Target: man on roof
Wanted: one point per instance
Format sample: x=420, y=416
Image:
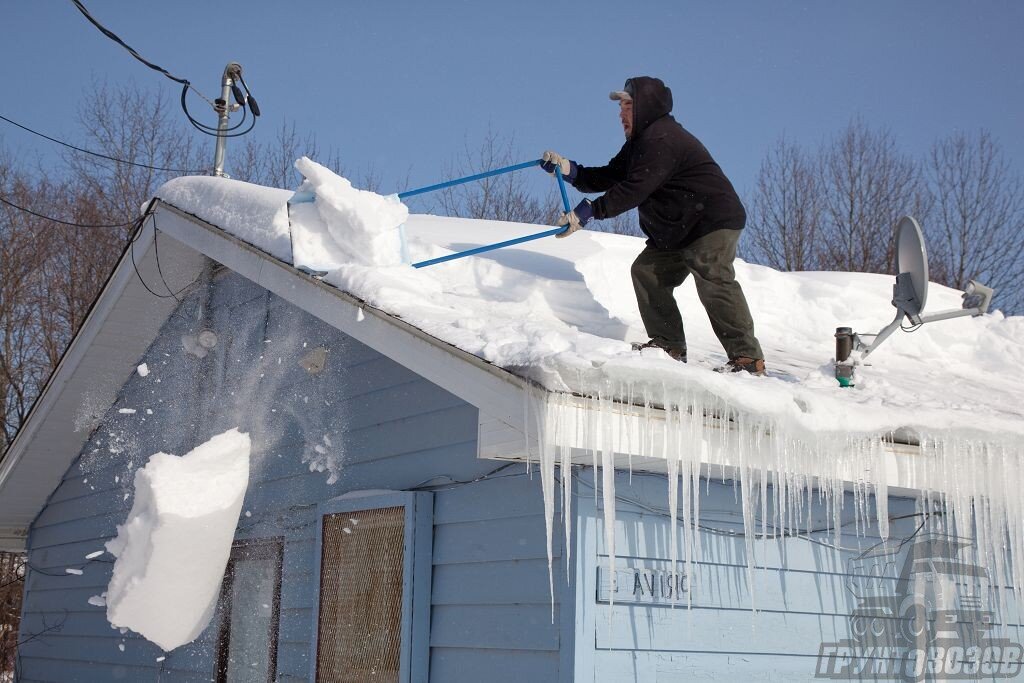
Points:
x=690, y=213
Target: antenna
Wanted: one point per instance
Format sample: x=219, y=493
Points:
x=909, y=296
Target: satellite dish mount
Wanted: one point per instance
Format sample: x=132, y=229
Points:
x=909, y=296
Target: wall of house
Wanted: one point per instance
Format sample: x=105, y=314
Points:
x=364, y=422
x=801, y=589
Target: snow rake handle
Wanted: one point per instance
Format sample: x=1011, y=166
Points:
x=497, y=245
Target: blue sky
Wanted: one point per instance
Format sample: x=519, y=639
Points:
x=403, y=86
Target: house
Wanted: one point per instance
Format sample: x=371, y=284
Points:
x=406, y=517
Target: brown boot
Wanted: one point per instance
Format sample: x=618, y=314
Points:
x=755, y=366
x=674, y=352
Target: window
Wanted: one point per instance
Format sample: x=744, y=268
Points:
x=373, y=607
x=250, y=612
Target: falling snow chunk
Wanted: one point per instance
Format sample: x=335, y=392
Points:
x=98, y=601
x=160, y=659
x=173, y=548
x=94, y=555
x=143, y=370
x=346, y=530
x=72, y=570
x=127, y=411
x=120, y=646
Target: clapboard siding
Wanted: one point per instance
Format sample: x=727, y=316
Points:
x=799, y=589
x=389, y=429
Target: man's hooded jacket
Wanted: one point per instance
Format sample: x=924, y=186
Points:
x=663, y=170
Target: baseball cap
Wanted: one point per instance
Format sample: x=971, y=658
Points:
x=625, y=94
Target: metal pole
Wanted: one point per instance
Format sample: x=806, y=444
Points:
x=232, y=71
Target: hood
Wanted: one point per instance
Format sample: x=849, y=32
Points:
x=652, y=99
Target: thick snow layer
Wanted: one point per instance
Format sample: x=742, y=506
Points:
x=562, y=313
x=344, y=224
x=172, y=550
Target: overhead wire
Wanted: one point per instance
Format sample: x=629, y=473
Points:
x=185, y=83
x=98, y=154
x=57, y=220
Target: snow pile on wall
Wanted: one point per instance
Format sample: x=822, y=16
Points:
x=344, y=225
x=173, y=548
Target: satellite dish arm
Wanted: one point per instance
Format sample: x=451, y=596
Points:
x=977, y=298
x=865, y=349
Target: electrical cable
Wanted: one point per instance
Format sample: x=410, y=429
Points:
x=206, y=130
x=113, y=36
x=97, y=154
x=186, y=85
x=57, y=220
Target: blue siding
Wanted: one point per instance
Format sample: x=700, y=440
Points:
x=800, y=591
x=396, y=431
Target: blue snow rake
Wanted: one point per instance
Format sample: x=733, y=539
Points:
x=496, y=245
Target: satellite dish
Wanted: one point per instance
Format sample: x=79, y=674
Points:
x=909, y=296
x=912, y=267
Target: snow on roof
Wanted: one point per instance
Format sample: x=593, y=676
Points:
x=562, y=312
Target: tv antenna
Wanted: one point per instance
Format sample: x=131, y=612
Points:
x=909, y=296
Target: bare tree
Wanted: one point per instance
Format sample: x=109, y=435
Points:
x=786, y=212
x=868, y=185
x=624, y=224
x=502, y=198
x=12, y=580
x=138, y=126
x=979, y=217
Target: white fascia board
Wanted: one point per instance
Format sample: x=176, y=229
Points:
x=494, y=391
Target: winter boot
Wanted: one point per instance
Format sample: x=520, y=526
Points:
x=755, y=366
x=674, y=352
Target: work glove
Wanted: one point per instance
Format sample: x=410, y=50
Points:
x=550, y=160
x=577, y=218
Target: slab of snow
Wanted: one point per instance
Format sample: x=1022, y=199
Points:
x=143, y=370
x=173, y=548
x=343, y=224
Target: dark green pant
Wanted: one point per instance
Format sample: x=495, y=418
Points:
x=656, y=272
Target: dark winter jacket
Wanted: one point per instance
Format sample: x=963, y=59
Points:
x=682, y=194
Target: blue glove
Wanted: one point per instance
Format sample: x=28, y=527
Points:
x=551, y=160
x=577, y=218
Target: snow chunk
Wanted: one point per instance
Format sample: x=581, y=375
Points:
x=143, y=370
x=344, y=225
x=172, y=550
x=127, y=411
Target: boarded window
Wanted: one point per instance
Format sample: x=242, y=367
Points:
x=250, y=611
x=361, y=596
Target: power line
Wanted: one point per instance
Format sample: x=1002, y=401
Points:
x=113, y=36
x=186, y=85
x=57, y=220
x=97, y=154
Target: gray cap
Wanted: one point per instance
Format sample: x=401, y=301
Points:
x=626, y=94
